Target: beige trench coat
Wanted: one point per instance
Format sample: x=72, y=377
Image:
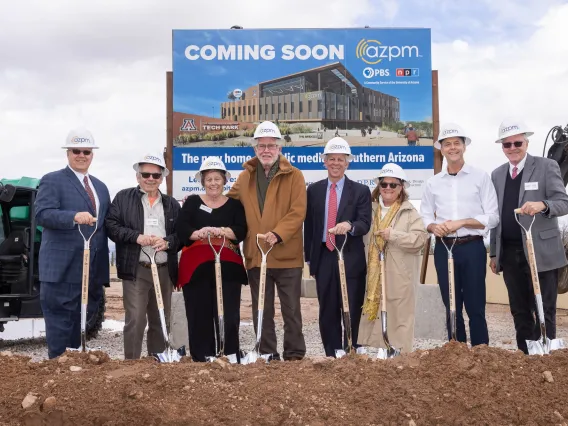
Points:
x=402, y=268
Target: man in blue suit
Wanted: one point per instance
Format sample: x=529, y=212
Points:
x=66, y=199
x=340, y=204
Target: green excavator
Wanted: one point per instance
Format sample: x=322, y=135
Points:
x=20, y=240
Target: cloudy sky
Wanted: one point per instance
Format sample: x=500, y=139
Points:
x=102, y=65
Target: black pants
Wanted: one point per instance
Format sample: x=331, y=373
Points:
x=202, y=322
x=517, y=276
x=470, y=268
x=328, y=288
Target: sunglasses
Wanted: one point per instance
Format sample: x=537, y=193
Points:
x=86, y=153
x=146, y=175
x=517, y=144
x=385, y=185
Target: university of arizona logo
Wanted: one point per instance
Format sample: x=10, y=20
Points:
x=188, y=125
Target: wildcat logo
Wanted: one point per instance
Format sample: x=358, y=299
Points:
x=188, y=125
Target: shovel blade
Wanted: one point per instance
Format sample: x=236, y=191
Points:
x=170, y=355
x=537, y=347
x=253, y=356
x=387, y=353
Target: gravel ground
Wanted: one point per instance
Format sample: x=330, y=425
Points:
x=501, y=334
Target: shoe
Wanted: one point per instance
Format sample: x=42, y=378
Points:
x=294, y=358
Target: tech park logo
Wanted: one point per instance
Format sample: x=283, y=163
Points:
x=373, y=52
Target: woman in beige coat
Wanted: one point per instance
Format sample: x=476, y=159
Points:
x=400, y=233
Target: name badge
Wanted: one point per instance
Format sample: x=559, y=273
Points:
x=205, y=208
x=152, y=222
x=531, y=186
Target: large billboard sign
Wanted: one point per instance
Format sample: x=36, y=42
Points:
x=372, y=87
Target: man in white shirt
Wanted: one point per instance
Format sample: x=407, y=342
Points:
x=459, y=205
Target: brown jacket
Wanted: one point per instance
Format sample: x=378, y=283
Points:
x=402, y=255
x=284, y=213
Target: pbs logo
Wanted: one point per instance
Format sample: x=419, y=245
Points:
x=369, y=72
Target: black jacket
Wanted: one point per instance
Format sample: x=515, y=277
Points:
x=125, y=222
x=356, y=206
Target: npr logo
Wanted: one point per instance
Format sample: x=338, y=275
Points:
x=407, y=72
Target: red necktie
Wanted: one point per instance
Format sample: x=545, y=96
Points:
x=331, y=217
x=514, y=172
x=90, y=194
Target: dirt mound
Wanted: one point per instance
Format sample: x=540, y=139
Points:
x=449, y=385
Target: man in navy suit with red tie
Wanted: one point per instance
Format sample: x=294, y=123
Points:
x=66, y=199
x=344, y=206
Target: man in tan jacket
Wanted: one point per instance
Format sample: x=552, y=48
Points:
x=273, y=193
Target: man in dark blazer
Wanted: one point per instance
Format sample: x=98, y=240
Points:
x=343, y=205
x=535, y=185
x=66, y=199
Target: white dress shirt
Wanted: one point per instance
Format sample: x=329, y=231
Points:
x=81, y=176
x=519, y=166
x=469, y=194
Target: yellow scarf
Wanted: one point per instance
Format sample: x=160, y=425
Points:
x=373, y=296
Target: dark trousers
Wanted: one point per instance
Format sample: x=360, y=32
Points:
x=470, y=268
x=328, y=287
x=517, y=276
x=288, y=283
x=61, y=307
x=202, y=321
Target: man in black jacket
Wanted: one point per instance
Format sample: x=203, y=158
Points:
x=142, y=220
x=344, y=206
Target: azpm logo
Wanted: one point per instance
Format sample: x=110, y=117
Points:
x=373, y=51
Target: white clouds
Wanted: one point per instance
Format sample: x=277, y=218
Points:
x=102, y=64
x=480, y=84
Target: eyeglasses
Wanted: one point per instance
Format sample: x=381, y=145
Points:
x=146, y=175
x=85, y=152
x=517, y=144
x=270, y=147
x=385, y=185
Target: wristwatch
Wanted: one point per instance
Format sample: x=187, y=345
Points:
x=546, y=209
x=167, y=245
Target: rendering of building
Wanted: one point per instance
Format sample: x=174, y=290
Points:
x=327, y=96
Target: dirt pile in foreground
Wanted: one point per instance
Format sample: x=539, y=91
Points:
x=449, y=385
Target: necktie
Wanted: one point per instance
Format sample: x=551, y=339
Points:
x=514, y=172
x=331, y=217
x=90, y=194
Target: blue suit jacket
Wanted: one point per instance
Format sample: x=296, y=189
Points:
x=60, y=197
x=356, y=206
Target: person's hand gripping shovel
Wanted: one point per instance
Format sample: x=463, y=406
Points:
x=85, y=288
x=344, y=298
x=253, y=355
x=169, y=354
x=451, y=288
x=390, y=351
x=544, y=345
x=220, y=351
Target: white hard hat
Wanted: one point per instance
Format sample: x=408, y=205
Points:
x=338, y=145
x=510, y=127
x=79, y=138
x=212, y=163
x=266, y=129
x=392, y=170
x=451, y=130
x=152, y=158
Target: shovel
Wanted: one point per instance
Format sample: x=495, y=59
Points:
x=344, y=299
x=85, y=289
x=451, y=288
x=390, y=351
x=253, y=355
x=544, y=345
x=220, y=352
x=169, y=354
